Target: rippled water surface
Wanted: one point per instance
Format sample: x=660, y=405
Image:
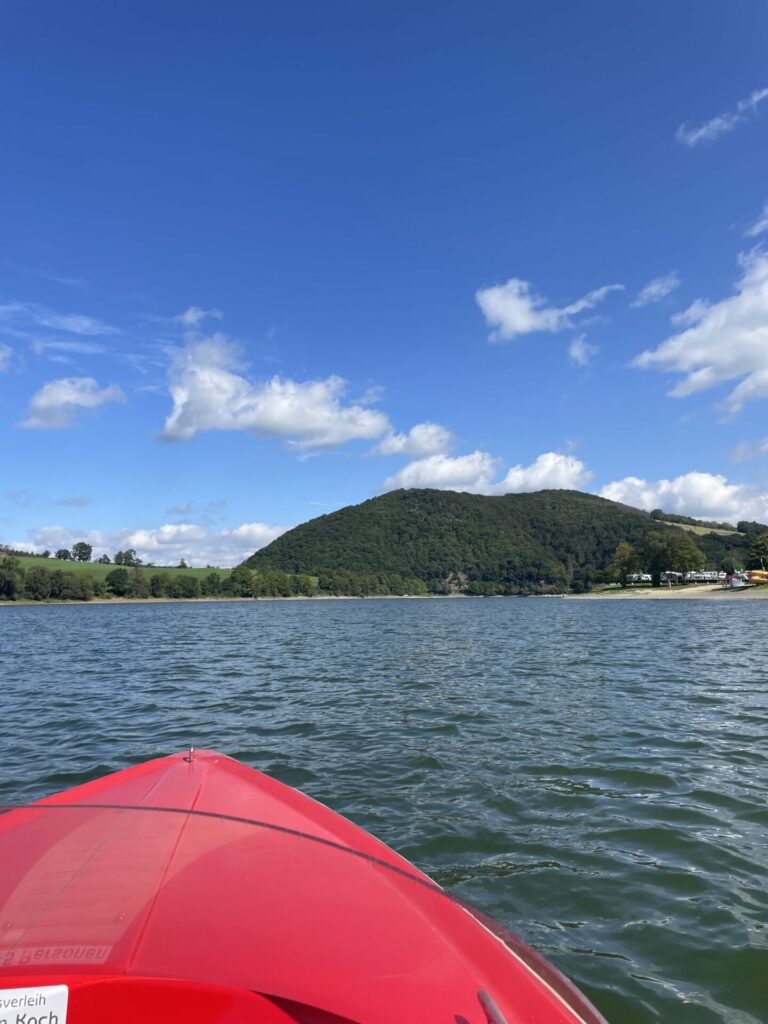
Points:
x=593, y=774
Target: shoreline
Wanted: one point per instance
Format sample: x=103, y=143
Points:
x=683, y=594
x=27, y=603
x=646, y=594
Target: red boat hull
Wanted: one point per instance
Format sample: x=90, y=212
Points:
x=197, y=889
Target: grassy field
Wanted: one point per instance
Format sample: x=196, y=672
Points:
x=701, y=530
x=99, y=572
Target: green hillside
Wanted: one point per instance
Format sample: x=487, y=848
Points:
x=26, y=577
x=541, y=542
x=100, y=572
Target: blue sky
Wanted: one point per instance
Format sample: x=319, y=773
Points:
x=261, y=261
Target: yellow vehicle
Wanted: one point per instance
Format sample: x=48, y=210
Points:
x=758, y=575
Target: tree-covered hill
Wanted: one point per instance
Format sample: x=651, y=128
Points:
x=539, y=542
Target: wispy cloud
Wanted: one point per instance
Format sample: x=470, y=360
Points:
x=581, y=352
x=193, y=316
x=744, y=451
x=85, y=348
x=514, y=308
x=6, y=355
x=69, y=282
x=19, y=497
x=716, y=127
x=78, y=501
x=760, y=226
x=54, y=406
x=73, y=323
x=41, y=316
x=657, y=289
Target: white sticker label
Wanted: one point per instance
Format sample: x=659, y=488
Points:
x=46, y=1004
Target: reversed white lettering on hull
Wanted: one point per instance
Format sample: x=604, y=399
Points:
x=45, y=1004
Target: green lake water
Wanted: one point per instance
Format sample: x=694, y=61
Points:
x=592, y=774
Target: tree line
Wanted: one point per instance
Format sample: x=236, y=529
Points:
x=138, y=582
x=661, y=552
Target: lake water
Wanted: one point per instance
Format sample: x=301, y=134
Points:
x=593, y=774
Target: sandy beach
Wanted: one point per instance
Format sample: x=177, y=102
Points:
x=689, y=593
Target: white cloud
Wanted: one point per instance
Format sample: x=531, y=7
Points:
x=760, y=226
x=513, y=309
x=193, y=316
x=551, y=470
x=721, y=125
x=209, y=395
x=702, y=495
x=657, y=289
x=6, y=354
x=422, y=439
x=725, y=341
x=472, y=472
x=164, y=545
x=54, y=405
x=581, y=352
x=475, y=473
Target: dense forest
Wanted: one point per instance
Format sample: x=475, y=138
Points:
x=446, y=542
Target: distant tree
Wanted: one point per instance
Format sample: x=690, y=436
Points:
x=11, y=579
x=683, y=554
x=139, y=586
x=210, y=585
x=59, y=583
x=157, y=585
x=64, y=555
x=624, y=562
x=189, y=586
x=79, y=586
x=306, y=585
x=104, y=559
x=127, y=558
x=45, y=554
x=118, y=582
x=653, y=554
x=182, y=564
x=37, y=585
x=71, y=586
x=81, y=552
x=241, y=582
x=678, y=552
x=758, y=552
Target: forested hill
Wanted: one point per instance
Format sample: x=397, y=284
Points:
x=445, y=541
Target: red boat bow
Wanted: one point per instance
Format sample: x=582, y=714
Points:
x=198, y=889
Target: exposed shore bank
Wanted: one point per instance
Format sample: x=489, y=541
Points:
x=646, y=594
x=26, y=603
x=674, y=594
